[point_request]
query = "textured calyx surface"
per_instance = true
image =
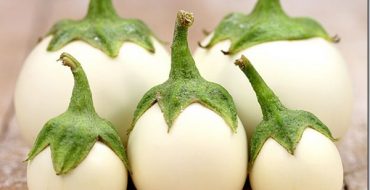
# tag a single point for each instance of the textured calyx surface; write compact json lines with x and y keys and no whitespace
{"x":72,"y":134}
{"x":102,"y":28}
{"x":283,"y":125}
{"x":185,"y":85}
{"x":267,"y":22}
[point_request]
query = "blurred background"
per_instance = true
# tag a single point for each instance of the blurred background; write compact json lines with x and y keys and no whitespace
{"x":23,"y":22}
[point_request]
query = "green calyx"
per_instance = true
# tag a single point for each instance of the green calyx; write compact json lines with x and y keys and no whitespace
{"x":72,"y":134}
{"x":267,"y":22}
{"x":283,"y":125}
{"x":185,"y":85}
{"x":102,"y":28}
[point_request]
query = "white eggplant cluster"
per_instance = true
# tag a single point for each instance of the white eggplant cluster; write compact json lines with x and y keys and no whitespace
{"x":185,"y":133}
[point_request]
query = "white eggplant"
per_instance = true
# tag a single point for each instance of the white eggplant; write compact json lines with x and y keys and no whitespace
{"x":120,"y":69}
{"x":199,"y":152}
{"x":297,"y":59}
{"x":78,"y":149}
{"x":290,"y":149}
{"x":101,"y":169}
{"x":316,"y":164}
{"x":186,"y":133}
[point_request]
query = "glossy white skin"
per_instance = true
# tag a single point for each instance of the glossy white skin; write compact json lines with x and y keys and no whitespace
{"x":44,"y":86}
{"x":199,"y":152}
{"x":101,"y":169}
{"x":308,"y":75}
{"x":316,"y":164}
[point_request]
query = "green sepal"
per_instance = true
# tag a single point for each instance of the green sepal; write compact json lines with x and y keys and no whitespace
{"x":283,"y":125}
{"x":185,"y":85}
{"x":102,"y":28}
{"x":267,"y":22}
{"x":286,"y":129}
{"x":72,"y":134}
{"x":174,"y":96}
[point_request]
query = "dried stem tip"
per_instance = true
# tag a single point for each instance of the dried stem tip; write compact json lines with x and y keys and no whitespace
{"x":242,"y":62}
{"x":184,"y":18}
{"x":68,"y":60}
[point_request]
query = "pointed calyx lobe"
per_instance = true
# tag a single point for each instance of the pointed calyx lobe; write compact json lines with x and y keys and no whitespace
{"x":102,"y":28}
{"x":283,"y":125}
{"x":267,"y":22}
{"x":185,"y":85}
{"x":72,"y":134}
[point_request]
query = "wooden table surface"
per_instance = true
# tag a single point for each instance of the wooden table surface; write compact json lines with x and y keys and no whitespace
{"x":23,"y":22}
